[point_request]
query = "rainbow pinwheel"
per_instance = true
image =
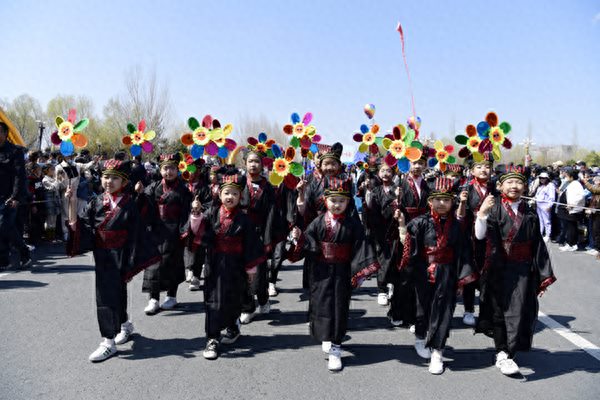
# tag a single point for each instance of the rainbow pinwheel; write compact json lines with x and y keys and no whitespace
{"x":262,"y":145}
{"x":138,"y":139}
{"x":367,"y":139}
{"x":68,"y":136}
{"x":284,"y":168}
{"x":471,"y":143}
{"x":441,"y":155}
{"x":493,"y":136}
{"x":303,"y":134}
{"x":402,"y":148}
{"x":208,"y":138}
{"x":187,"y":166}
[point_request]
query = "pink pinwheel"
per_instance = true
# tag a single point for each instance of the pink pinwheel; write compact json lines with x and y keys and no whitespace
{"x":139,"y":139}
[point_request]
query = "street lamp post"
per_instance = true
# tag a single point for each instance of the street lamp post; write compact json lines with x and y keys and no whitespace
{"x":41,"y":126}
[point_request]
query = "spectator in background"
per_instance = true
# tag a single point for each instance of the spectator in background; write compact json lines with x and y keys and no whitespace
{"x":544,"y":196}
{"x":572,"y":214}
{"x":53,"y":204}
{"x":593,"y":185}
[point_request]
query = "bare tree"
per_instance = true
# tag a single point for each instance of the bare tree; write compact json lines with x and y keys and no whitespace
{"x":24,"y":112}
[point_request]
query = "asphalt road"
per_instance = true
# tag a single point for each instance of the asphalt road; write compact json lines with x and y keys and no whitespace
{"x":48,"y":329}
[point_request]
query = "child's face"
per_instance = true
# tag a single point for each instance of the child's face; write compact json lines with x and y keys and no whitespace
{"x":441,"y":205}
{"x":230,"y":197}
{"x":481,"y":171}
{"x":385,"y":173}
{"x":330,"y":166}
{"x":417,"y":167}
{"x":337,"y":204}
{"x":513,"y":188}
{"x":50,"y":172}
{"x":112,"y":183}
{"x":253,"y":164}
{"x":168,"y":172}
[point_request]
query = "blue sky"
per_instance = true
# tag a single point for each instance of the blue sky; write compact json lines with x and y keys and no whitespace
{"x":534,"y":62}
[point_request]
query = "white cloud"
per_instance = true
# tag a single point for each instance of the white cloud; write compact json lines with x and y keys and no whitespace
{"x":596,"y":18}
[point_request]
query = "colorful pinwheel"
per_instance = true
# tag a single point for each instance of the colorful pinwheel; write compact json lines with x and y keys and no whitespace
{"x":367,"y":139}
{"x":441,"y":155}
{"x":262,"y":145}
{"x":303,"y":134}
{"x":208,"y":138}
{"x":284,"y":168}
{"x":493,"y":135}
{"x":138,"y":139}
{"x":402,"y":148}
{"x":68,"y":136}
{"x":471,"y":143}
{"x":187,"y":166}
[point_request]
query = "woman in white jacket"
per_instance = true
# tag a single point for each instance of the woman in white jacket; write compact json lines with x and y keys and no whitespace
{"x":574,"y":197}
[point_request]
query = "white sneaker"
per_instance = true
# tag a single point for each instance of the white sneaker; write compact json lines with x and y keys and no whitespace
{"x":169,"y":303}
{"x":272,"y":290}
{"x":126,"y":331}
{"x":265,"y":309}
{"x":152,"y":307}
{"x":546,"y":239}
{"x":412,"y":329}
{"x":382,"y":299}
{"x":246,"y":318}
{"x":106,"y":350}
{"x":592,"y":252}
{"x":211,"y":351}
{"x":568,"y":248}
{"x":390,"y":288}
{"x":506,"y":365}
{"x":422,"y":351}
{"x":189,"y":275}
{"x":436,"y":364}
{"x":469,"y":319}
{"x":194,"y":284}
{"x":326,"y":346}
{"x":395,"y":322}
{"x":335,"y":358}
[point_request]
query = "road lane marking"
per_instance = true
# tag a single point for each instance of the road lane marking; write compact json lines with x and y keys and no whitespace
{"x":572,"y":337}
{"x":5,"y":274}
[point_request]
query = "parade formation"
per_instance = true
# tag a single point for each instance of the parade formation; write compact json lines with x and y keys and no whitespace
{"x":430,"y":226}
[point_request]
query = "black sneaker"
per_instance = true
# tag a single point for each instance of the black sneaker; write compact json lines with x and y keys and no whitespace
{"x":211,"y":352}
{"x":26,"y":261}
{"x":231,"y":335}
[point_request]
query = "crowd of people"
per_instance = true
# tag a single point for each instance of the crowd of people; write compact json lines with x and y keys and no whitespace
{"x":428,"y":235}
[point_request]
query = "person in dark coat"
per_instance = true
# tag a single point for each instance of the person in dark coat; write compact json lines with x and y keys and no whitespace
{"x":13,"y":194}
{"x":111,"y":226}
{"x":339,"y":258}
{"x":437,"y":257}
{"x":233,"y":253}
{"x":168,"y":200}
{"x":517,"y":269}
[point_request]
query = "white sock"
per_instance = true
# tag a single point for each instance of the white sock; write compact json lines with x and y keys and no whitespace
{"x":108,"y":342}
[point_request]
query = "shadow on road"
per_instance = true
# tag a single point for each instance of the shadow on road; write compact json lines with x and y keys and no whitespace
{"x":20,"y":284}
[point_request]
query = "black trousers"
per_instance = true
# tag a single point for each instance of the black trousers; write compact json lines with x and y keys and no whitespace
{"x":596,"y":229}
{"x":571,"y":229}
{"x":277,"y":259}
{"x":259,"y":287}
{"x":111,"y":300}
